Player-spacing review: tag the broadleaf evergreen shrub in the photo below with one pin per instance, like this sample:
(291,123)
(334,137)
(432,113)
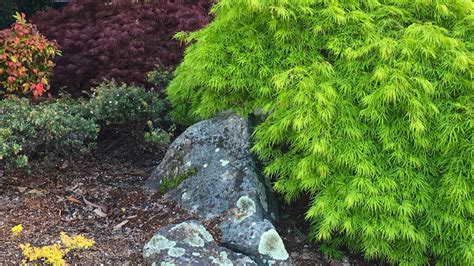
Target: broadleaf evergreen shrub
(118,104)
(63,128)
(160,76)
(369,109)
(104,41)
(49,129)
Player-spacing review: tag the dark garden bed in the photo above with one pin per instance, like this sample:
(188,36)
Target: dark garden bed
(46,203)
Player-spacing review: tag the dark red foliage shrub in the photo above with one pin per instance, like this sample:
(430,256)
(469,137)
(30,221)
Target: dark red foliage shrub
(121,41)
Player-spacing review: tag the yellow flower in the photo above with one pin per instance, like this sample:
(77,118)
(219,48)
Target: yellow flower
(53,254)
(17,229)
(76,242)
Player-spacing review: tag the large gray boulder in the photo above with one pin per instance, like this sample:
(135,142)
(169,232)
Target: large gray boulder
(222,181)
(189,243)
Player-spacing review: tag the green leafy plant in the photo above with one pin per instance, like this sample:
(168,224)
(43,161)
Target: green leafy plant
(160,76)
(66,127)
(46,129)
(369,108)
(113,103)
(156,135)
(25,59)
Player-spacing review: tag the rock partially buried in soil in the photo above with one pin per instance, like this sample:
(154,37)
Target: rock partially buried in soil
(257,238)
(189,243)
(215,157)
(222,180)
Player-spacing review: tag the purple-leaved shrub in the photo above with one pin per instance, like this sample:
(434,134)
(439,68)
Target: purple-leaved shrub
(120,40)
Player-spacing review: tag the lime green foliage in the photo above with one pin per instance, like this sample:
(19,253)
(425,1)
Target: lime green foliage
(47,129)
(369,108)
(113,103)
(169,183)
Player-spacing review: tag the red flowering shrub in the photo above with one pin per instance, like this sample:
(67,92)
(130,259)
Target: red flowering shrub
(121,41)
(25,59)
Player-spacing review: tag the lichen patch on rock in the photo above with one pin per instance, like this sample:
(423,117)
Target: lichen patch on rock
(176,252)
(195,234)
(247,208)
(222,259)
(224,162)
(272,245)
(164,263)
(157,244)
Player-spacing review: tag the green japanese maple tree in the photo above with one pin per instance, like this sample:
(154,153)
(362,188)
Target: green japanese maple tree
(369,109)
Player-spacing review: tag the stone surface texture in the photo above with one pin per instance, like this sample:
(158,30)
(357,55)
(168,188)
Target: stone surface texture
(189,243)
(226,183)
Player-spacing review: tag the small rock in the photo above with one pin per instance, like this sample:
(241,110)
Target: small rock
(189,243)
(21,189)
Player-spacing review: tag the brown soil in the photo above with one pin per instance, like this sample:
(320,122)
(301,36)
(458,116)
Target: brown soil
(51,201)
(114,177)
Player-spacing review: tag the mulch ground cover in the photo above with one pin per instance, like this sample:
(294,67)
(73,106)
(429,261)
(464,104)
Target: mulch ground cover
(102,197)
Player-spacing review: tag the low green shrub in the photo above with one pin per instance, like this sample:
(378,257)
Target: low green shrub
(369,109)
(67,127)
(118,104)
(46,129)
(160,76)
(156,135)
